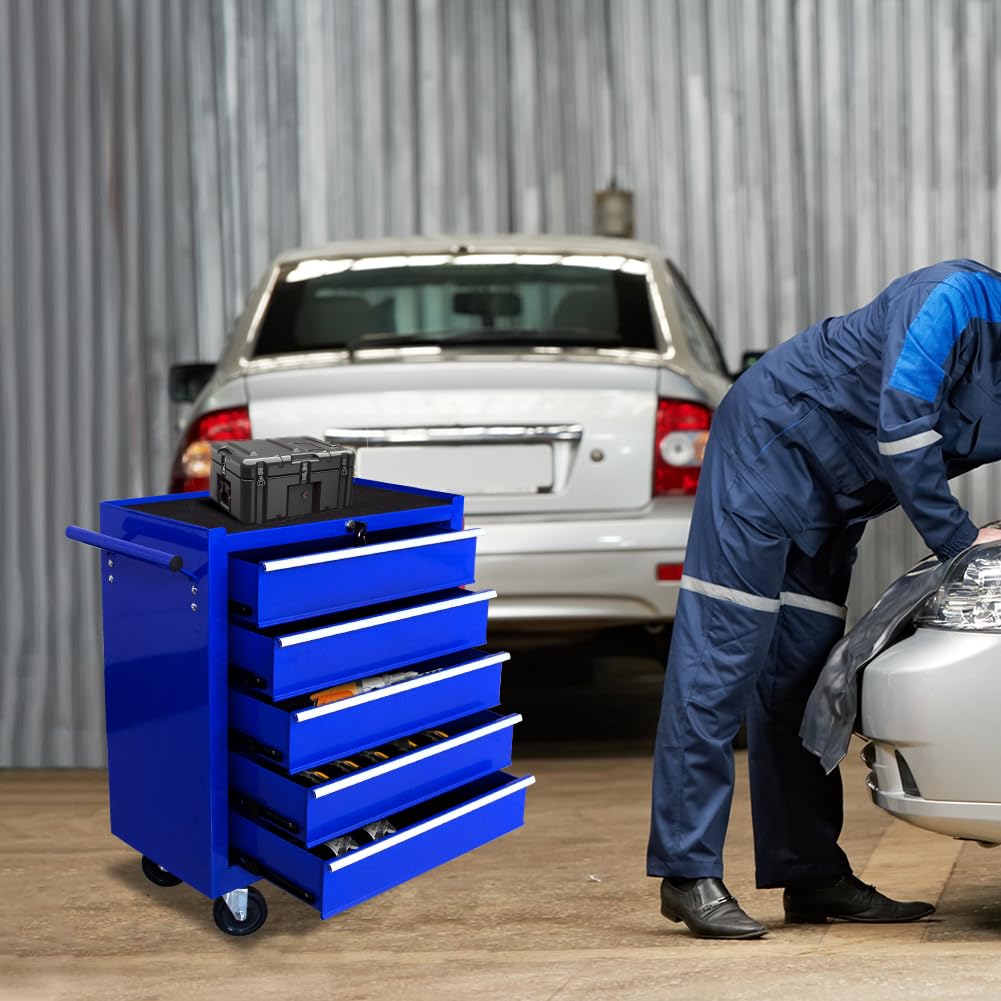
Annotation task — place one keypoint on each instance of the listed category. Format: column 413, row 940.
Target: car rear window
column 469, row 302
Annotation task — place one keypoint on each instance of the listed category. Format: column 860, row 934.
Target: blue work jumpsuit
column 853, row 416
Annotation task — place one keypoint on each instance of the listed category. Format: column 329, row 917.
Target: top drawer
column 269, row 591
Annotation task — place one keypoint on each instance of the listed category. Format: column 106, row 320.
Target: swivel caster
column 157, row 874
column 240, row 912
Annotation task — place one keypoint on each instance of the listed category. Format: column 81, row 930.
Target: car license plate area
column 463, row 469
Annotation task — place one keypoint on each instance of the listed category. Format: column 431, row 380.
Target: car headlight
column 969, row 598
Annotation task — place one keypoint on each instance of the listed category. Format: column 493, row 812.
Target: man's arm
column 924, row 325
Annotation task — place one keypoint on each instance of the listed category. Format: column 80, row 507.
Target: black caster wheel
column 257, row 914
column 158, row 875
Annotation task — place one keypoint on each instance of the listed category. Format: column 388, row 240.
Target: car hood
column 832, row 707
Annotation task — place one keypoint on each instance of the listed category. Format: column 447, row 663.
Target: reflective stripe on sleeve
column 731, row 594
column 911, row 444
column 812, row 604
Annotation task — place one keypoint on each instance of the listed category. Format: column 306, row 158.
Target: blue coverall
column 853, row 416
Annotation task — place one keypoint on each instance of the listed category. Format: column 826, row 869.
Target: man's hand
column 987, row 535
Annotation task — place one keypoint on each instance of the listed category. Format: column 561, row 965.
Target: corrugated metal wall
column 793, row 155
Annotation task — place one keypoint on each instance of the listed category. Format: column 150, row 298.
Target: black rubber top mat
column 365, row 500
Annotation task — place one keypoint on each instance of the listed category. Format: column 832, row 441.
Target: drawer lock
column 359, row 530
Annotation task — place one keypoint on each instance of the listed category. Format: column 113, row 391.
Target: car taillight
column 194, row 458
column 679, row 443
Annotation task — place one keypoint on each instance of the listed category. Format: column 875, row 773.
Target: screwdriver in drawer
column 346, row 691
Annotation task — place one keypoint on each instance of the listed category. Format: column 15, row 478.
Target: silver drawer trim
column 304, row 715
column 292, row 562
column 380, row 620
column 429, row 825
column 412, row 757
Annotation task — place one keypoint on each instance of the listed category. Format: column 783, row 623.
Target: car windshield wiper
column 388, row 339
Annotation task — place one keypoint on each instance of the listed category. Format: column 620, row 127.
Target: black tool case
column 265, row 479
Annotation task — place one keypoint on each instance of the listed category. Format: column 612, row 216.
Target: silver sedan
column 564, row 385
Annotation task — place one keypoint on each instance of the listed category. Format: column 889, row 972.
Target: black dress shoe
column 849, row 899
column 708, row 909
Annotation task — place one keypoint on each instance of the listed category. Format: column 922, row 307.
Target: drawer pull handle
column 120, row 547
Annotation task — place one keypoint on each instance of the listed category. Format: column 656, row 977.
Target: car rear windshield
column 464, row 302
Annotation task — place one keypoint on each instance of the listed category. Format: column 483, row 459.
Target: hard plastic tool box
column 265, row 479
column 215, row 634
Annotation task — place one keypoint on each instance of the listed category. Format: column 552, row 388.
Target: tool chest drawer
column 426, row 836
column 473, row 747
column 291, row 660
column 297, row 735
column 271, row 587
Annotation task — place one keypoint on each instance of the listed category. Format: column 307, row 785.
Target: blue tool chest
column 274, row 692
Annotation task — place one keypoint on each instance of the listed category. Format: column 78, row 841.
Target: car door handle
column 501, row 434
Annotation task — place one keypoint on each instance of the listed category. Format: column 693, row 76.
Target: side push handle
column 155, row 556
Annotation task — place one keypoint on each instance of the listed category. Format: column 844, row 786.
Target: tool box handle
column 122, row 548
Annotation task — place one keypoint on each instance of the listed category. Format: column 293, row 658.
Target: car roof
column 474, row 243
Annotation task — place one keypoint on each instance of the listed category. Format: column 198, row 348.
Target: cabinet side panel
column 158, row 691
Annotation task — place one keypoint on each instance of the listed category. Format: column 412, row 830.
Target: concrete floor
column 559, row 911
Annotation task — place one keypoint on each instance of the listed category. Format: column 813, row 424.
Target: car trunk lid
column 512, row 435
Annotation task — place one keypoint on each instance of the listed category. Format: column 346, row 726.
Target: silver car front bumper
column 583, row 571
column 929, row 707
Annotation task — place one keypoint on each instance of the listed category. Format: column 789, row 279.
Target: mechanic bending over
column 853, row 416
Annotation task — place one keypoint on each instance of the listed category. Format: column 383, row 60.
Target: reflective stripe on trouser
column 796, row 808
column 740, row 651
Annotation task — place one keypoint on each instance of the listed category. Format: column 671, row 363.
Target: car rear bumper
column 583, row 572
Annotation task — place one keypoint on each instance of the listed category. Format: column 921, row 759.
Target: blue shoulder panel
column 946, row 314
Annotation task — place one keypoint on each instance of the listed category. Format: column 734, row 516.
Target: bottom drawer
column 426, row 836
column 475, row 746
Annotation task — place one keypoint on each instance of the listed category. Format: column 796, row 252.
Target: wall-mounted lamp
column 613, row 211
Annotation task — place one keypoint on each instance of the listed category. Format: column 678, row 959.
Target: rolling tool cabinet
column 215, row 634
